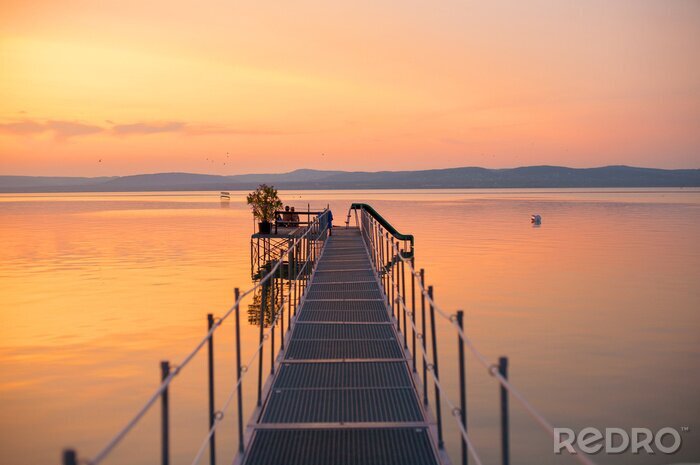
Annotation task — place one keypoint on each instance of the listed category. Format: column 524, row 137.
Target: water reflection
column 266, row 299
column 597, row 310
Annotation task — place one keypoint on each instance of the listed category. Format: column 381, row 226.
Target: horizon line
column 342, row 170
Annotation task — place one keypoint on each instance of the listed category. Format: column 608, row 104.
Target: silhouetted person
column 326, row 221
column 286, row 216
column 295, row 218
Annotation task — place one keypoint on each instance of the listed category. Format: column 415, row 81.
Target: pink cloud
column 60, row 129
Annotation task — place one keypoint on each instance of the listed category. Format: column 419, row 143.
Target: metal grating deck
column 342, row 375
column 343, row 394
column 343, row 276
column 343, row 331
column 343, row 291
column 344, row 266
column 344, row 305
column 395, row 446
column 345, row 287
column 342, row 295
column 342, row 405
column 354, row 316
column 318, row 349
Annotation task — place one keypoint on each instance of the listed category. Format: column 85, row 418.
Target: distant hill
column 20, row 183
column 467, row 177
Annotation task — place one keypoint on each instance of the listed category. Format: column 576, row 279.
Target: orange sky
column 148, row 86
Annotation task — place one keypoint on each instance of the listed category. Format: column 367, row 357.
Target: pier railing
column 291, row 219
column 393, row 258
column 293, row 268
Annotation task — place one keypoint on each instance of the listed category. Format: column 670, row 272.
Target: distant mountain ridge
column 465, row 177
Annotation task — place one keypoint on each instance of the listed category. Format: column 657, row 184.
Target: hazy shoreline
column 451, row 178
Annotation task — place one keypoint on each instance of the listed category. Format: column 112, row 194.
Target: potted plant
column 264, row 202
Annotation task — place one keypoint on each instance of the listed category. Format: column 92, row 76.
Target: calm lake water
column 598, row 310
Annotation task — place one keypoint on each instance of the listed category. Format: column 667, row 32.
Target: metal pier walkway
column 343, row 393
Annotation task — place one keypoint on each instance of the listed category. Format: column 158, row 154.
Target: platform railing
column 291, row 219
column 393, row 259
column 296, row 264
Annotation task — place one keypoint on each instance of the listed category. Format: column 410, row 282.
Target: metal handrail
column 381, row 220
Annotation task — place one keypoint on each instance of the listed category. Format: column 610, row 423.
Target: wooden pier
column 343, row 392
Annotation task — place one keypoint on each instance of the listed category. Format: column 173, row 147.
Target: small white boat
column 535, row 219
column 225, row 195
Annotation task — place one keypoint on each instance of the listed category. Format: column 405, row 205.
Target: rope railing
column 490, row 367
column 379, row 243
column 70, row 456
column 220, row 414
column 456, row 411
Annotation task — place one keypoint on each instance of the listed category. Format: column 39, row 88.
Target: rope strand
column 218, row 420
column 532, row 411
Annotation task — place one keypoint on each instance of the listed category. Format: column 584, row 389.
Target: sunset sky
column 132, row 86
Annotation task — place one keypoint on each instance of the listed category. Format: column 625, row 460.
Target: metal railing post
column 394, row 286
column 306, row 264
column 306, row 260
column 505, row 423
column 305, row 282
column 462, row 386
column 164, row 416
column 425, row 336
column 210, row 366
column 289, row 289
column 377, row 246
column 385, row 259
column 372, row 238
column 69, row 457
column 282, row 312
column 413, row 312
column 263, row 306
column 299, row 262
column 273, row 315
column 388, row 270
column 403, row 303
column 370, row 246
column 237, row 294
column 293, row 266
column 436, row 371
column 373, row 232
